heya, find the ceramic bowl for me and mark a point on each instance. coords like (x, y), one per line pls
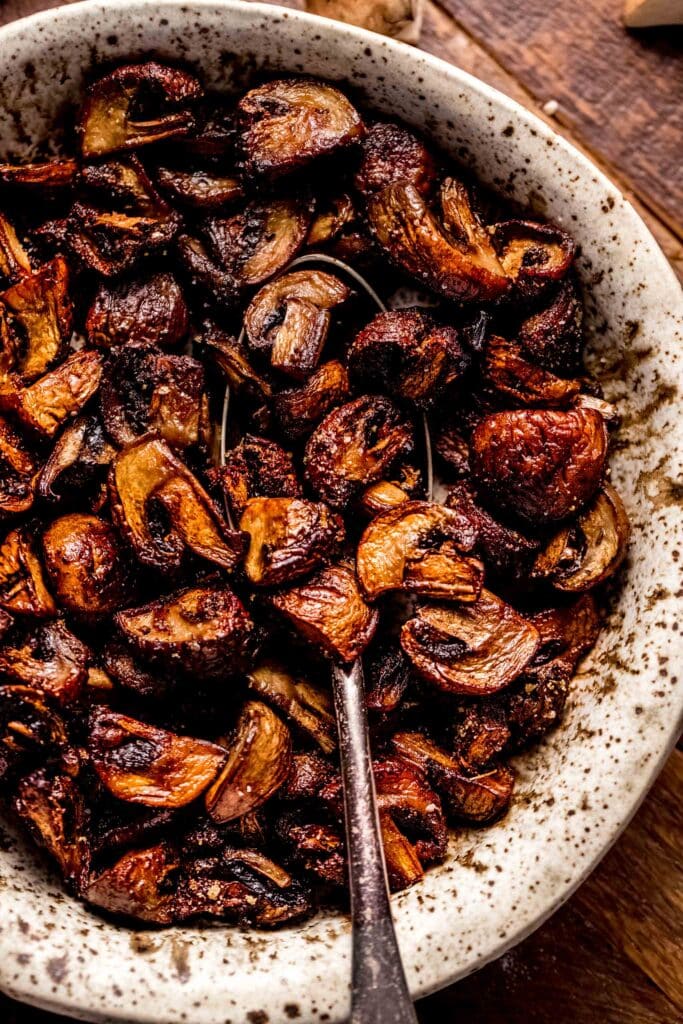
(579, 789)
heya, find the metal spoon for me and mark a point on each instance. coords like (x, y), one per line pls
(379, 991)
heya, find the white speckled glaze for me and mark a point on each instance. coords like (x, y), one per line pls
(578, 790)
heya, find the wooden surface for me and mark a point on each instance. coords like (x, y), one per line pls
(614, 953)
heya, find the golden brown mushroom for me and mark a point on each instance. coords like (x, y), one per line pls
(510, 373)
(50, 658)
(298, 410)
(57, 397)
(138, 885)
(288, 538)
(23, 590)
(381, 497)
(44, 175)
(199, 189)
(307, 706)
(14, 261)
(40, 316)
(532, 254)
(17, 473)
(147, 311)
(256, 468)
(86, 565)
(51, 805)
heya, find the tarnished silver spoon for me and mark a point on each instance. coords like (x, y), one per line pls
(379, 992)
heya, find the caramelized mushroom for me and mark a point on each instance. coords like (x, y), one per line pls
(17, 471)
(138, 885)
(110, 118)
(46, 175)
(200, 630)
(29, 729)
(147, 311)
(329, 612)
(306, 706)
(393, 155)
(333, 216)
(145, 765)
(81, 454)
(52, 807)
(567, 633)
(163, 512)
(232, 358)
(258, 763)
(418, 546)
(355, 445)
(111, 244)
(14, 261)
(122, 666)
(478, 648)
(504, 550)
(299, 409)
(217, 287)
(290, 318)
(287, 123)
(23, 590)
(532, 254)
(553, 337)
(257, 468)
(40, 314)
(199, 189)
(288, 538)
(387, 677)
(87, 567)
(125, 184)
(315, 847)
(482, 734)
(508, 372)
(382, 497)
(57, 397)
(455, 259)
(51, 659)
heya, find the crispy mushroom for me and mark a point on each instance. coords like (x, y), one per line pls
(540, 465)
(86, 565)
(298, 410)
(23, 590)
(288, 538)
(111, 244)
(567, 633)
(256, 468)
(80, 456)
(553, 337)
(138, 885)
(30, 730)
(232, 358)
(51, 805)
(287, 123)
(305, 705)
(391, 154)
(17, 473)
(455, 258)
(482, 734)
(58, 396)
(40, 316)
(290, 317)
(147, 311)
(145, 765)
(476, 648)
(329, 612)
(45, 175)
(124, 668)
(199, 630)
(259, 758)
(50, 658)
(508, 372)
(317, 848)
(533, 255)
(504, 550)
(199, 189)
(418, 546)
(163, 511)
(111, 121)
(14, 261)
(388, 674)
(124, 184)
(355, 445)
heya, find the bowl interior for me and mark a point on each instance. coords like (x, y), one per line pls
(577, 790)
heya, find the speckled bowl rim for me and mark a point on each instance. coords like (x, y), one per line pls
(181, 977)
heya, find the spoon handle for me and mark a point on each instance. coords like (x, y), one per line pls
(379, 993)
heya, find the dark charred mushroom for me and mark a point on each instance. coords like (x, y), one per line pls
(51, 659)
(52, 807)
(123, 667)
(23, 590)
(287, 123)
(540, 465)
(124, 184)
(199, 189)
(482, 734)
(393, 155)
(140, 885)
(40, 318)
(111, 244)
(259, 758)
(257, 468)
(418, 547)
(218, 288)
(46, 175)
(200, 630)
(86, 565)
(567, 633)
(151, 311)
(163, 512)
(336, 214)
(30, 730)
(355, 445)
(329, 612)
(57, 397)
(553, 337)
(388, 674)
(110, 118)
(315, 847)
(533, 255)
(298, 410)
(306, 706)
(17, 472)
(508, 372)
(504, 550)
(232, 358)
(478, 648)
(80, 456)
(288, 538)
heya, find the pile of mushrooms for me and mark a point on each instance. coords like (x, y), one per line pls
(167, 732)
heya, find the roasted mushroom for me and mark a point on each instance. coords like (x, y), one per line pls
(504, 550)
(355, 445)
(553, 337)
(124, 184)
(381, 497)
(86, 565)
(393, 155)
(287, 123)
(256, 468)
(50, 658)
(51, 805)
(30, 730)
(218, 288)
(138, 885)
(298, 410)
(126, 670)
(14, 261)
(482, 735)
(388, 675)
(329, 612)
(202, 630)
(112, 244)
(46, 175)
(476, 648)
(40, 318)
(199, 189)
(259, 758)
(163, 511)
(79, 458)
(334, 215)
(17, 472)
(290, 317)
(288, 538)
(509, 373)
(111, 121)
(306, 706)
(533, 255)
(57, 397)
(418, 546)
(151, 311)
(23, 590)
(542, 465)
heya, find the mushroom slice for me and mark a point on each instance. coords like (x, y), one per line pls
(336, 213)
(58, 396)
(540, 465)
(199, 189)
(232, 358)
(456, 259)
(253, 245)
(87, 566)
(290, 318)
(259, 759)
(287, 123)
(257, 468)
(147, 311)
(51, 659)
(404, 795)
(163, 511)
(553, 337)
(81, 453)
(45, 175)
(288, 538)
(14, 261)
(200, 630)
(110, 118)
(355, 445)
(29, 729)
(476, 798)
(121, 665)
(504, 550)
(17, 473)
(52, 807)
(147, 391)
(582, 555)
(215, 286)
(482, 734)
(298, 410)
(567, 634)
(382, 497)
(306, 706)
(405, 354)
(145, 765)
(23, 590)
(477, 648)
(418, 546)
(316, 848)
(40, 314)
(125, 184)
(509, 373)
(532, 254)
(329, 612)
(111, 244)
(139, 885)
(388, 674)
(393, 155)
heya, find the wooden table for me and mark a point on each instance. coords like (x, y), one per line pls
(614, 953)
